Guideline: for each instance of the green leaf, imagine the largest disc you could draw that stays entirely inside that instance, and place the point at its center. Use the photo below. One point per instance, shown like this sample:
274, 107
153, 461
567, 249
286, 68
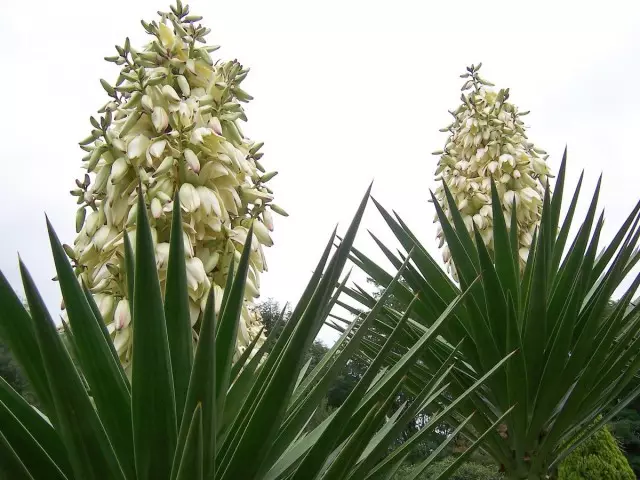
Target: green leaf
227, 331
36, 426
201, 396
561, 239
505, 267
90, 452
103, 373
152, 392
556, 202
129, 261
105, 333
191, 464
176, 311
262, 425
10, 463
18, 332
26, 447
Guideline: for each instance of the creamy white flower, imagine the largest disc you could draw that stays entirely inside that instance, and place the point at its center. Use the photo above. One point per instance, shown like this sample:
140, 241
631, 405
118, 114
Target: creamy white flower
174, 145
169, 92
192, 160
156, 208
262, 233
488, 142
189, 198
184, 85
137, 146
160, 119
209, 201
162, 255
157, 148
122, 316
118, 170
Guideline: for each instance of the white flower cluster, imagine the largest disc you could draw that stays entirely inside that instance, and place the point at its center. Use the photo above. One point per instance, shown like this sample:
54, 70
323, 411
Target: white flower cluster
488, 141
172, 125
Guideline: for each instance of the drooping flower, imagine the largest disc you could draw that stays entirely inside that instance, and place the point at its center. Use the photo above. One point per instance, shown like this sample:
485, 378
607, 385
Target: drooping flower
172, 125
488, 141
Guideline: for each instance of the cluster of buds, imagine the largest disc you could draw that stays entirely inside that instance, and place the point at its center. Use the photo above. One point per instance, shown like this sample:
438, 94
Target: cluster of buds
488, 141
171, 125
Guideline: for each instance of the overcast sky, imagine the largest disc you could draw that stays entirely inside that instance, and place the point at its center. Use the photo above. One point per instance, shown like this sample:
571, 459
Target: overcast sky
345, 93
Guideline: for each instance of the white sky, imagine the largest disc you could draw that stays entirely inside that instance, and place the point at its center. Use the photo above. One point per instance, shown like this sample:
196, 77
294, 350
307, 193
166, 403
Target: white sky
345, 92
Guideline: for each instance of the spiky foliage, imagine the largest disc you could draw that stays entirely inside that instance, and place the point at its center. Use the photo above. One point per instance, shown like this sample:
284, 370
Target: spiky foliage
488, 142
192, 415
172, 125
571, 362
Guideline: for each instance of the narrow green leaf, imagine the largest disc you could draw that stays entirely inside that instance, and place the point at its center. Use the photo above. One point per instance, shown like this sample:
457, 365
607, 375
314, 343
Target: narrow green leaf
200, 395
535, 312
191, 464
226, 334
105, 333
26, 447
262, 426
36, 425
152, 392
355, 444
460, 227
18, 333
10, 463
237, 366
561, 239
556, 201
129, 261
464, 265
103, 373
417, 471
505, 267
176, 311
90, 452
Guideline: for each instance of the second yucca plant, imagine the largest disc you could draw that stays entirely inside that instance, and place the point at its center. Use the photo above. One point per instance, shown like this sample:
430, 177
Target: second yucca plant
571, 362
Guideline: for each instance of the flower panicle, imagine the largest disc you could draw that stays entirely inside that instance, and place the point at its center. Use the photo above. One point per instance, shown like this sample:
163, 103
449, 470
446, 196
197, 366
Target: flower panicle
172, 125
488, 142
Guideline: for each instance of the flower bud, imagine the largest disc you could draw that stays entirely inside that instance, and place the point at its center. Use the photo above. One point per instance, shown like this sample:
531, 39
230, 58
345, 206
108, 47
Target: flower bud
147, 103
184, 85
118, 170
122, 316
262, 233
189, 198
192, 160
160, 119
169, 93
137, 146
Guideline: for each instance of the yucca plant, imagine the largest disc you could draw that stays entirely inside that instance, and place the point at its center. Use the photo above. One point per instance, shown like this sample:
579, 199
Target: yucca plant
243, 419
570, 363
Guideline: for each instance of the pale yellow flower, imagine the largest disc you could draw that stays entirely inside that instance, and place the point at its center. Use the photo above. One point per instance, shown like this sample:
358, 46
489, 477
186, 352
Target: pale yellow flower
488, 141
172, 125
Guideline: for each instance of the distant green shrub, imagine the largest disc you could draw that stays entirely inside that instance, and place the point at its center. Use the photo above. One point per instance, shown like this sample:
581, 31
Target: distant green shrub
597, 458
467, 471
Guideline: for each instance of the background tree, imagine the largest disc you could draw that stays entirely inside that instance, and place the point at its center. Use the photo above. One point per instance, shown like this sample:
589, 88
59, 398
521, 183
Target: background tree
598, 457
